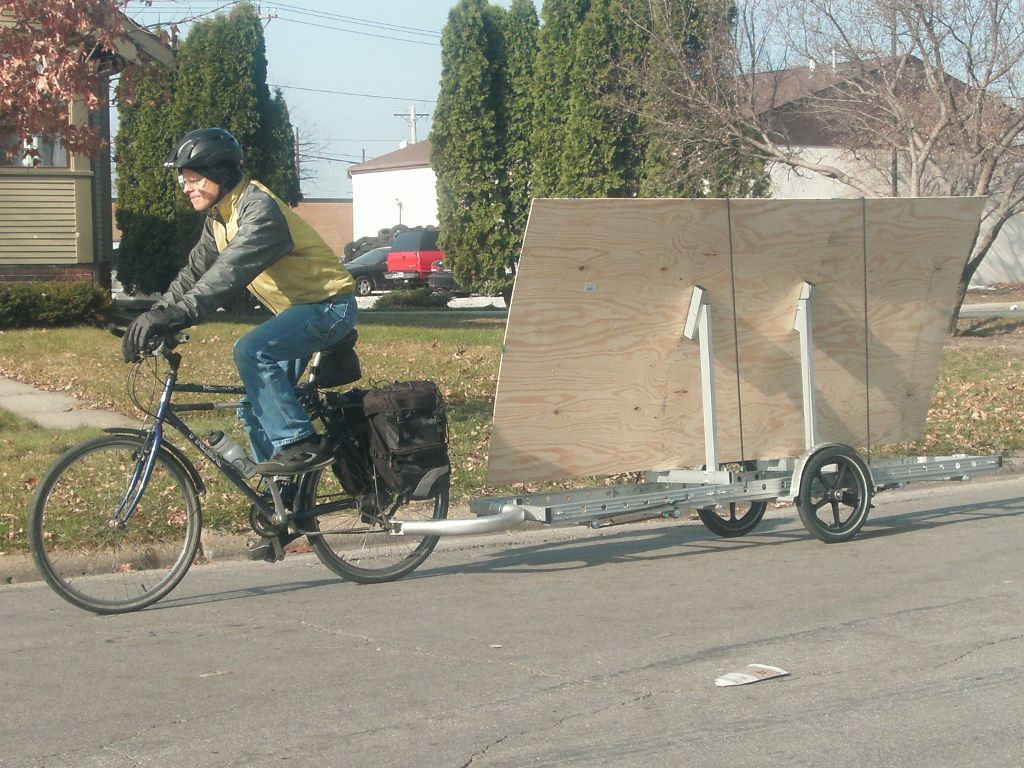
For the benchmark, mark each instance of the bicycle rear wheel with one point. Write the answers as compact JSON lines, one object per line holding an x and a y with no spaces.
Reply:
{"x":354,"y":543}
{"x":86,"y":557}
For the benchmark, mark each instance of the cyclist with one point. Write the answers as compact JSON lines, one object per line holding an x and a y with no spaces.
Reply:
{"x":251,"y":239}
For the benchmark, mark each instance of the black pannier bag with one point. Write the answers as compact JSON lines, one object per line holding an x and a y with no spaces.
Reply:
{"x":409,"y":438}
{"x":349,"y":434}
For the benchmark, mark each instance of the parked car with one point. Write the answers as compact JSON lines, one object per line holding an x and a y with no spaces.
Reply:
{"x":368,"y":271}
{"x":443,"y":280}
{"x":412,"y":254}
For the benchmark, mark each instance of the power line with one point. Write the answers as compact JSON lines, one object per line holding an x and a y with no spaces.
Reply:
{"x":348,"y":93}
{"x":358,"y":21}
{"x":328,"y":159}
{"x":207,"y":8}
{"x":156,"y":5}
{"x":357,"y":32}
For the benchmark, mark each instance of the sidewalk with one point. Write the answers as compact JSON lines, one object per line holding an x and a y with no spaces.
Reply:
{"x":55,"y":409}
{"x":992,"y":309}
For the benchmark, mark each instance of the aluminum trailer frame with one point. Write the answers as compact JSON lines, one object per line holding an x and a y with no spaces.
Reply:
{"x":828,"y":478}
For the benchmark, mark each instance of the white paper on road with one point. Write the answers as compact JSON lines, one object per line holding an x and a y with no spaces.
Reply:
{"x":751,"y":673}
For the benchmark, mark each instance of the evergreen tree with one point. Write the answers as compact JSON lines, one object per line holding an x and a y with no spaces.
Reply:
{"x":280,"y":172}
{"x":520,"y":52}
{"x":154,"y":235}
{"x":701,"y":160}
{"x":466,"y":139}
{"x":556,"y":52}
{"x":603,"y":154}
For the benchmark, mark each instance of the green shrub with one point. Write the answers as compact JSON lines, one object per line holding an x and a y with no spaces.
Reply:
{"x":417,"y":298}
{"x":38,"y":304}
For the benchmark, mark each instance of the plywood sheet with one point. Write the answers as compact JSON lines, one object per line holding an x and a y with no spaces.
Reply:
{"x":596,"y":377}
{"x":916,"y":250}
{"x":595,"y":372}
{"x":777,"y":246}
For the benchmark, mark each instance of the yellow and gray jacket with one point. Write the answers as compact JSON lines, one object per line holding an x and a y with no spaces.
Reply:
{"x":252,"y":239}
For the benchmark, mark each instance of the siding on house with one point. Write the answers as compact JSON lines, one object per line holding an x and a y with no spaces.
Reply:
{"x":1004,"y":263}
{"x":45,"y":216}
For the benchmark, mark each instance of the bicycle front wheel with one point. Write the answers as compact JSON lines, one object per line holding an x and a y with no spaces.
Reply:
{"x":90,"y":558}
{"x":354,"y":543}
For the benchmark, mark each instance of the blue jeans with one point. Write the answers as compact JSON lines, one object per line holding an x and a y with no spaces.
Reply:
{"x":271,"y":359}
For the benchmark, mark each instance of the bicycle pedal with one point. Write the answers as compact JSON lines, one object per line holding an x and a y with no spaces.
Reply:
{"x":267,"y":549}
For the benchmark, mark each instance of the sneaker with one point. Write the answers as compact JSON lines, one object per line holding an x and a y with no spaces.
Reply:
{"x":309,"y":453}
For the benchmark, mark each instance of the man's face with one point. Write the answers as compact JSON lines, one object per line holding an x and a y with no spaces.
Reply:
{"x":200,"y":190}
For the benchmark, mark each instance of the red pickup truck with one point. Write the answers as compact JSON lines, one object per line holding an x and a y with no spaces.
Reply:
{"x":413,"y":255}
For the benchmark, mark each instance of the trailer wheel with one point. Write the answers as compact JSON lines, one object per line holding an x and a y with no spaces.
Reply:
{"x":835,"y":493}
{"x":736,"y":519}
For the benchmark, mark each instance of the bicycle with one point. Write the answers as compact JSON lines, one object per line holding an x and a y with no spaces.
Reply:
{"x":115,"y":523}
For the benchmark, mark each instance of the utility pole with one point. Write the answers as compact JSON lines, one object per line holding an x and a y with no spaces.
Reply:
{"x":411,"y":118}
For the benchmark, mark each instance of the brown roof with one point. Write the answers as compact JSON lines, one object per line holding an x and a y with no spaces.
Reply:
{"x":413,"y":156}
{"x":772,"y":90}
{"x":784,"y":86}
{"x":806,"y":105}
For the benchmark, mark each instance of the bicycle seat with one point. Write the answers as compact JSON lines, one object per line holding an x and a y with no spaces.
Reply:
{"x":338,"y":364}
{"x":349,"y":342}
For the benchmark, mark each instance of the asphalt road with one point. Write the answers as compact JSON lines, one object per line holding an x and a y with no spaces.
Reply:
{"x":905,"y":647}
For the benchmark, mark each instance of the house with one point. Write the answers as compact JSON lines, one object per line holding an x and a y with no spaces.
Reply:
{"x":783,"y":96}
{"x":55,"y":217}
{"x":397,"y":188}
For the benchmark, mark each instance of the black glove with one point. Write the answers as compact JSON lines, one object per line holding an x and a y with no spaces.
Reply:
{"x":157,"y":322}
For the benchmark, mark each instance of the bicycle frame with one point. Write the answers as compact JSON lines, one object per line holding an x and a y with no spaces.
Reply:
{"x":167,"y":414}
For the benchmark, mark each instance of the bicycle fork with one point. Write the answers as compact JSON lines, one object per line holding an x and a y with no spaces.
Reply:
{"x":139,"y":480}
{"x":147,"y":459}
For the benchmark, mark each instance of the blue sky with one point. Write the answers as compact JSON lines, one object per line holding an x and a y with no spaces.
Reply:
{"x":346,"y":68}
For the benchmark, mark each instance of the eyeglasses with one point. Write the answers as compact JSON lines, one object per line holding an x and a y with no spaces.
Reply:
{"x":199,"y":183}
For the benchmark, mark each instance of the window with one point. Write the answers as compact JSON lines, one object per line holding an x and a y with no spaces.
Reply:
{"x":416,"y":240}
{"x":36,"y":153}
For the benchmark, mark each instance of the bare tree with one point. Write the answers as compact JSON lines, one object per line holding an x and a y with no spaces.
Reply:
{"x":922,"y":97}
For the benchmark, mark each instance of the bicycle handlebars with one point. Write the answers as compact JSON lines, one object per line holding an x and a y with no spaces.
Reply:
{"x":158,"y":344}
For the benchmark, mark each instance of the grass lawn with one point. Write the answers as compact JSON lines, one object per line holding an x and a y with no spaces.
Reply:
{"x":977,"y":406}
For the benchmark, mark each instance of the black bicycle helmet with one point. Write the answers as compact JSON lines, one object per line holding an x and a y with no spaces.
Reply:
{"x":206,"y":148}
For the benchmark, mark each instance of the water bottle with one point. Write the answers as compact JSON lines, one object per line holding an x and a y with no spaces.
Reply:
{"x":232,"y":451}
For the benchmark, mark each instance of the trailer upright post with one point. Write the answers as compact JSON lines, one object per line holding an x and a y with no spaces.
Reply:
{"x":802,"y":324}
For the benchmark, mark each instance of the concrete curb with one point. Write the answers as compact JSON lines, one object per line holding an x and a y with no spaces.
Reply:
{"x":219,"y":547}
